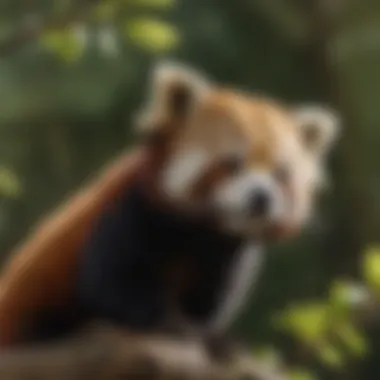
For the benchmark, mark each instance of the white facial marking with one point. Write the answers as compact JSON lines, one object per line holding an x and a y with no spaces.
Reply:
{"x":184,"y":170}
{"x":233,"y":197}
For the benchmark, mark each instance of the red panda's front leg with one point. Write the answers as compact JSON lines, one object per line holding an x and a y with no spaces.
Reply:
{"x":241,"y":279}
{"x":234,"y":295}
{"x":40,"y":271}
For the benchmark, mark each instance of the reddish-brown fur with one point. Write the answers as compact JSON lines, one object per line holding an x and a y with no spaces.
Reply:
{"x":38,"y":272}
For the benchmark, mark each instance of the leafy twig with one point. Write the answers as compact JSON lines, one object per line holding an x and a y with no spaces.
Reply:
{"x":33,"y":28}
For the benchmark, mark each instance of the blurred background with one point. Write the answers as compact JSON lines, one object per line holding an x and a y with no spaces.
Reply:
{"x":72,"y":73}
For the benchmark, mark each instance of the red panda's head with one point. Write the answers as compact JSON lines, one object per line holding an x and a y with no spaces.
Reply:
{"x":258,"y":165}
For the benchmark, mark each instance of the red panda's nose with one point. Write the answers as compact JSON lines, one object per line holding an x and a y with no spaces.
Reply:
{"x":259,"y":203}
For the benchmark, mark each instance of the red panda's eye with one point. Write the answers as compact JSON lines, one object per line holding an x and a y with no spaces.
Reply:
{"x":233,"y":164}
{"x":282,"y":174}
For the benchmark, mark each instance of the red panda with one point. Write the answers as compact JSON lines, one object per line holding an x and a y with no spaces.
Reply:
{"x":225,"y":172}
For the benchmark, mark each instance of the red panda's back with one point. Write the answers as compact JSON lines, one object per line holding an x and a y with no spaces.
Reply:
{"x":39,"y":271}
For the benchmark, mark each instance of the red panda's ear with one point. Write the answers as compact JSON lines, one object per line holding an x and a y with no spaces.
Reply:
{"x":174,"y":92}
{"x":319,"y":128}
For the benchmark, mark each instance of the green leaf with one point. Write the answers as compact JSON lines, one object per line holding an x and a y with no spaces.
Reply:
{"x":9,"y":183}
{"x":331,"y":356}
{"x":154,"y":3}
{"x":300,"y":374}
{"x":308,"y":323}
{"x":345,"y":295}
{"x":105,"y":10}
{"x":67,"y":43}
{"x":152,"y":35}
{"x":371,"y":268}
{"x":108,"y":42}
{"x":352,"y":338}
{"x":269,"y":356}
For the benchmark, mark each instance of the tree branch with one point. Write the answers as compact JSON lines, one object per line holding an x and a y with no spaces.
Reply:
{"x":111,"y":355}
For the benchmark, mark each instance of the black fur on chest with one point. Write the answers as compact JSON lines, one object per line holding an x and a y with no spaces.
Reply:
{"x":180,"y":254}
{"x":140,"y":260}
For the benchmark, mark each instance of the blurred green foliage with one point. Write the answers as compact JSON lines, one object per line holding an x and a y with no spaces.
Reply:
{"x":154,"y":36}
{"x":328,"y":330}
{"x":148,"y":32}
{"x":72,"y":74}
{"x":372,"y":269}
{"x":9,"y":184}
{"x":66,"y":43}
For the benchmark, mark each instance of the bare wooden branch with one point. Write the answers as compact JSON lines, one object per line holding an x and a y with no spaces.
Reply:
{"x":112,"y":355}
